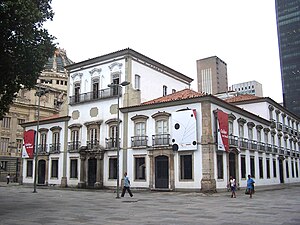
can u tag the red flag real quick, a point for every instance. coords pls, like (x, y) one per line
(29, 142)
(223, 143)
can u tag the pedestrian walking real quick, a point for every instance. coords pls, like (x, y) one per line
(7, 178)
(232, 184)
(126, 186)
(250, 185)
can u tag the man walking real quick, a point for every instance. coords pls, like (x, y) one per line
(126, 186)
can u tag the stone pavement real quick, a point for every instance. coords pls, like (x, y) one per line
(18, 205)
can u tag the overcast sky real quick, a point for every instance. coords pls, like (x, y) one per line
(176, 33)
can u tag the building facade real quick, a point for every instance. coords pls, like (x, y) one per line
(250, 87)
(54, 78)
(212, 75)
(288, 29)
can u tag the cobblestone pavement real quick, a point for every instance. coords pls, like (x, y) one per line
(18, 205)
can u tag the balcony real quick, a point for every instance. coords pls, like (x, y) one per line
(233, 141)
(253, 144)
(74, 146)
(92, 145)
(243, 142)
(111, 143)
(269, 148)
(274, 149)
(285, 129)
(281, 151)
(139, 141)
(279, 126)
(55, 148)
(93, 96)
(42, 148)
(160, 140)
(261, 146)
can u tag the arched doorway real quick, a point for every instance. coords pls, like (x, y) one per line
(280, 162)
(162, 172)
(92, 171)
(41, 171)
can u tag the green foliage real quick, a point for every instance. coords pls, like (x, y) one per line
(25, 46)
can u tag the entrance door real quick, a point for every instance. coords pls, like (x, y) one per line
(161, 172)
(281, 170)
(41, 171)
(92, 170)
(232, 165)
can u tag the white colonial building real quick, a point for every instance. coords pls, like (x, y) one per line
(167, 132)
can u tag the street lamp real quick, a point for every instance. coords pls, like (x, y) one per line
(39, 93)
(124, 83)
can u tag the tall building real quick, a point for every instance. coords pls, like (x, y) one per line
(250, 87)
(288, 28)
(212, 75)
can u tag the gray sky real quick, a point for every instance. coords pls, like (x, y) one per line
(176, 33)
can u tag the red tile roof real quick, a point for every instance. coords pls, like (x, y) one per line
(179, 95)
(241, 98)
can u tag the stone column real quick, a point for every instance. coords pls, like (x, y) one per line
(151, 168)
(81, 183)
(47, 171)
(172, 173)
(99, 182)
(64, 179)
(208, 182)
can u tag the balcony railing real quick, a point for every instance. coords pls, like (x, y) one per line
(261, 146)
(268, 147)
(281, 150)
(42, 148)
(253, 144)
(74, 146)
(285, 129)
(279, 126)
(274, 149)
(243, 142)
(111, 143)
(233, 140)
(139, 141)
(94, 144)
(55, 148)
(95, 95)
(161, 139)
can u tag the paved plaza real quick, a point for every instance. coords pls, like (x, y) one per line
(18, 205)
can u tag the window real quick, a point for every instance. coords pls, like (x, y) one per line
(173, 91)
(230, 127)
(261, 168)
(55, 141)
(29, 168)
(297, 172)
(54, 168)
(287, 169)
(243, 166)
(252, 166)
(162, 129)
(268, 168)
(93, 136)
(186, 167)
(3, 165)
(20, 121)
(220, 166)
(4, 144)
(19, 145)
(112, 168)
(250, 133)
(95, 88)
(293, 170)
(140, 129)
(165, 90)
(137, 80)
(6, 122)
(140, 168)
(241, 130)
(77, 92)
(73, 168)
(113, 135)
(43, 141)
(274, 168)
(258, 135)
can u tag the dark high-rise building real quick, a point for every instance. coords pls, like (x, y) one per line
(288, 28)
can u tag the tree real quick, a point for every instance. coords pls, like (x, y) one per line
(25, 46)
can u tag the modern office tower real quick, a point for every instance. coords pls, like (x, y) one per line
(288, 29)
(250, 87)
(212, 75)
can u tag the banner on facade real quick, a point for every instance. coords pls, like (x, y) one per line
(184, 130)
(222, 126)
(29, 144)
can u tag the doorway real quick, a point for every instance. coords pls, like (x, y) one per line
(232, 165)
(161, 172)
(92, 171)
(41, 171)
(281, 170)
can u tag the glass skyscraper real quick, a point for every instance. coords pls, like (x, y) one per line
(288, 28)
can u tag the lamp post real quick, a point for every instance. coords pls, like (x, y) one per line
(39, 93)
(124, 83)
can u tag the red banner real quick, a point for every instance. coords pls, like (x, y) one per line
(29, 142)
(223, 143)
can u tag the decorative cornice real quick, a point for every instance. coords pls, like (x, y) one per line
(159, 114)
(75, 125)
(76, 74)
(95, 70)
(250, 124)
(55, 128)
(111, 121)
(259, 127)
(266, 130)
(231, 117)
(97, 122)
(139, 117)
(115, 64)
(242, 121)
